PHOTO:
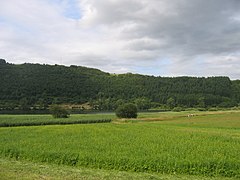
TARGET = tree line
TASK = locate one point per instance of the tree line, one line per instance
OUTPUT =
(37, 86)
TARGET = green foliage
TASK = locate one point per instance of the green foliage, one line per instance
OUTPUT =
(202, 145)
(128, 110)
(171, 103)
(13, 169)
(40, 123)
(24, 104)
(2, 61)
(201, 102)
(142, 103)
(39, 120)
(35, 86)
(178, 109)
(59, 112)
(201, 109)
(236, 90)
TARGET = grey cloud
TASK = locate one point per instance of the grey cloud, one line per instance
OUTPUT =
(198, 27)
(143, 44)
(180, 28)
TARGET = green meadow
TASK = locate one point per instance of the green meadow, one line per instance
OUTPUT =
(170, 143)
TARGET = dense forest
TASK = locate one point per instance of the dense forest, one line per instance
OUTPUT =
(35, 86)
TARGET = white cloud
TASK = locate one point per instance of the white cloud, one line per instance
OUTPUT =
(194, 37)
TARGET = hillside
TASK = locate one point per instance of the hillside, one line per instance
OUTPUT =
(37, 86)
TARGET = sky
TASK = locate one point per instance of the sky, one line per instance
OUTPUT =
(151, 37)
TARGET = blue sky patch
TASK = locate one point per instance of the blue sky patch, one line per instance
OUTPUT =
(71, 8)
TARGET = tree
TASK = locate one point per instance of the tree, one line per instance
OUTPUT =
(59, 111)
(201, 102)
(3, 61)
(142, 103)
(171, 102)
(118, 103)
(128, 110)
(24, 104)
(78, 85)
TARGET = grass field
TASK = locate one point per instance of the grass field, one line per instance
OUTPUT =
(167, 143)
(34, 120)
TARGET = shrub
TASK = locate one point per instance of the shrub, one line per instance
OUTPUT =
(177, 109)
(128, 110)
(201, 109)
(59, 112)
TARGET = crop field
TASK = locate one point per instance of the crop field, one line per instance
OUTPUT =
(34, 120)
(207, 144)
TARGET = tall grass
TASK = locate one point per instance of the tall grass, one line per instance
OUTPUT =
(36, 120)
(173, 147)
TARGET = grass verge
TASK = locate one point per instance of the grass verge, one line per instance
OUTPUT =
(11, 169)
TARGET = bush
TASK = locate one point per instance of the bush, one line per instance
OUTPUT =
(127, 111)
(59, 112)
(177, 109)
(201, 109)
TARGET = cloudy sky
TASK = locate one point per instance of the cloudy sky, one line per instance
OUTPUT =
(155, 37)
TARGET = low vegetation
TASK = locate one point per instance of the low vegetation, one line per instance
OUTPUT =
(38, 120)
(12, 169)
(58, 111)
(171, 143)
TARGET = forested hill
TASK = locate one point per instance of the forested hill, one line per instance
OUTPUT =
(37, 86)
